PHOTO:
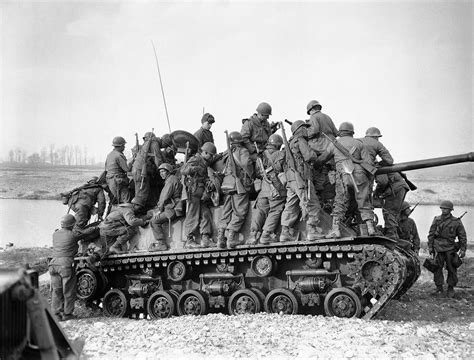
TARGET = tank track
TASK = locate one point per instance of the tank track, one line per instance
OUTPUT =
(348, 277)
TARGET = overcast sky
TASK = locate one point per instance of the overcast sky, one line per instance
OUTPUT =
(80, 73)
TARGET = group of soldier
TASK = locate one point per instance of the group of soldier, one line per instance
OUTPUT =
(321, 170)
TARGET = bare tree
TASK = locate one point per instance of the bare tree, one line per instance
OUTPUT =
(11, 156)
(17, 155)
(84, 153)
(24, 155)
(51, 153)
(43, 154)
(77, 153)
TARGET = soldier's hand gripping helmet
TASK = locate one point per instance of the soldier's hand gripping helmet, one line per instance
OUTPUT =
(118, 141)
(446, 204)
(264, 108)
(235, 138)
(276, 141)
(373, 131)
(209, 148)
(166, 166)
(297, 124)
(68, 221)
(312, 104)
(346, 126)
(405, 206)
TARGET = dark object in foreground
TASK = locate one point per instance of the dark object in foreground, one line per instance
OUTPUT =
(27, 328)
(431, 264)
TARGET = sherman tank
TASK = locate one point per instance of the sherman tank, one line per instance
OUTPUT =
(354, 276)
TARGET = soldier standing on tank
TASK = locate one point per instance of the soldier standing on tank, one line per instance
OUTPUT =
(236, 202)
(441, 244)
(61, 269)
(121, 225)
(257, 129)
(407, 228)
(170, 196)
(117, 168)
(198, 214)
(301, 195)
(145, 170)
(345, 187)
(204, 134)
(272, 197)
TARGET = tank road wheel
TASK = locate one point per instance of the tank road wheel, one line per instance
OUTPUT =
(192, 302)
(262, 266)
(115, 303)
(244, 301)
(175, 295)
(176, 271)
(261, 296)
(281, 301)
(160, 305)
(89, 284)
(343, 303)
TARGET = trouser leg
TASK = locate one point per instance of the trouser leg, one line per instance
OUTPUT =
(452, 278)
(205, 221)
(292, 210)
(274, 214)
(69, 289)
(391, 211)
(259, 213)
(240, 208)
(57, 296)
(191, 223)
(438, 274)
(364, 203)
(341, 200)
(226, 212)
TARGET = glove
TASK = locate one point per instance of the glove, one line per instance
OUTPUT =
(462, 253)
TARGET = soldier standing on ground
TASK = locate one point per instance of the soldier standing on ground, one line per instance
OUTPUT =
(441, 243)
(257, 129)
(204, 134)
(117, 168)
(198, 214)
(407, 228)
(63, 277)
(170, 196)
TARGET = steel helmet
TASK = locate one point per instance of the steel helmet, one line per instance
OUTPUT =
(311, 105)
(346, 126)
(166, 166)
(235, 137)
(405, 206)
(148, 135)
(297, 124)
(264, 108)
(68, 221)
(446, 204)
(275, 140)
(93, 180)
(373, 131)
(166, 141)
(137, 201)
(118, 141)
(209, 148)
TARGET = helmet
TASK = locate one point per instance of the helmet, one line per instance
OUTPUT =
(235, 137)
(275, 140)
(207, 117)
(264, 108)
(311, 105)
(93, 180)
(118, 141)
(373, 131)
(166, 141)
(346, 126)
(68, 221)
(166, 166)
(405, 206)
(446, 204)
(209, 147)
(137, 201)
(148, 135)
(297, 124)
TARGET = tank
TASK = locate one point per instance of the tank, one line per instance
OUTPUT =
(355, 276)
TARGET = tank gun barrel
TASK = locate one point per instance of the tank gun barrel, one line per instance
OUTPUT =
(427, 163)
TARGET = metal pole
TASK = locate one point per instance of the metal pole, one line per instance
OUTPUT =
(161, 84)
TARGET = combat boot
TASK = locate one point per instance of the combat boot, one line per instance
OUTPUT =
(439, 291)
(450, 292)
(191, 243)
(231, 242)
(221, 238)
(266, 238)
(205, 241)
(335, 231)
(253, 238)
(159, 245)
(285, 235)
(314, 233)
(370, 228)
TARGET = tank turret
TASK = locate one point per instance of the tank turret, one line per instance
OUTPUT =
(427, 163)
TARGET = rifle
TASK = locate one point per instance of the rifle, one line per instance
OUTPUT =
(146, 149)
(233, 169)
(460, 217)
(275, 192)
(414, 207)
(412, 186)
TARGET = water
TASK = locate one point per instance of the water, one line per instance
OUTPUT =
(28, 223)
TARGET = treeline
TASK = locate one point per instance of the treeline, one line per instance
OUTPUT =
(52, 155)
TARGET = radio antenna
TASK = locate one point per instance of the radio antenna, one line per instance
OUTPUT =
(161, 84)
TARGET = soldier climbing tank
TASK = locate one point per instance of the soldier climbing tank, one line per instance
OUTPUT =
(351, 277)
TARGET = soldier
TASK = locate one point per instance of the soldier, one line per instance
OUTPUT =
(301, 195)
(272, 196)
(441, 243)
(198, 215)
(375, 148)
(168, 149)
(117, 168)
(204, 134)
(63, 277)
(145, 170)
(257, 129)
(170, 196)
(351, 178)
(407, 228)
(121, 225)
(319, 122)
(236, 202)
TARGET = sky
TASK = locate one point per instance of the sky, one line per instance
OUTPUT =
(81, 73)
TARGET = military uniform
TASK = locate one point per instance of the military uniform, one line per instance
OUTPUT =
(321, 123)
(407, 231)
(375, 148)
(204, 136)
(117, 180)
(255, 130)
